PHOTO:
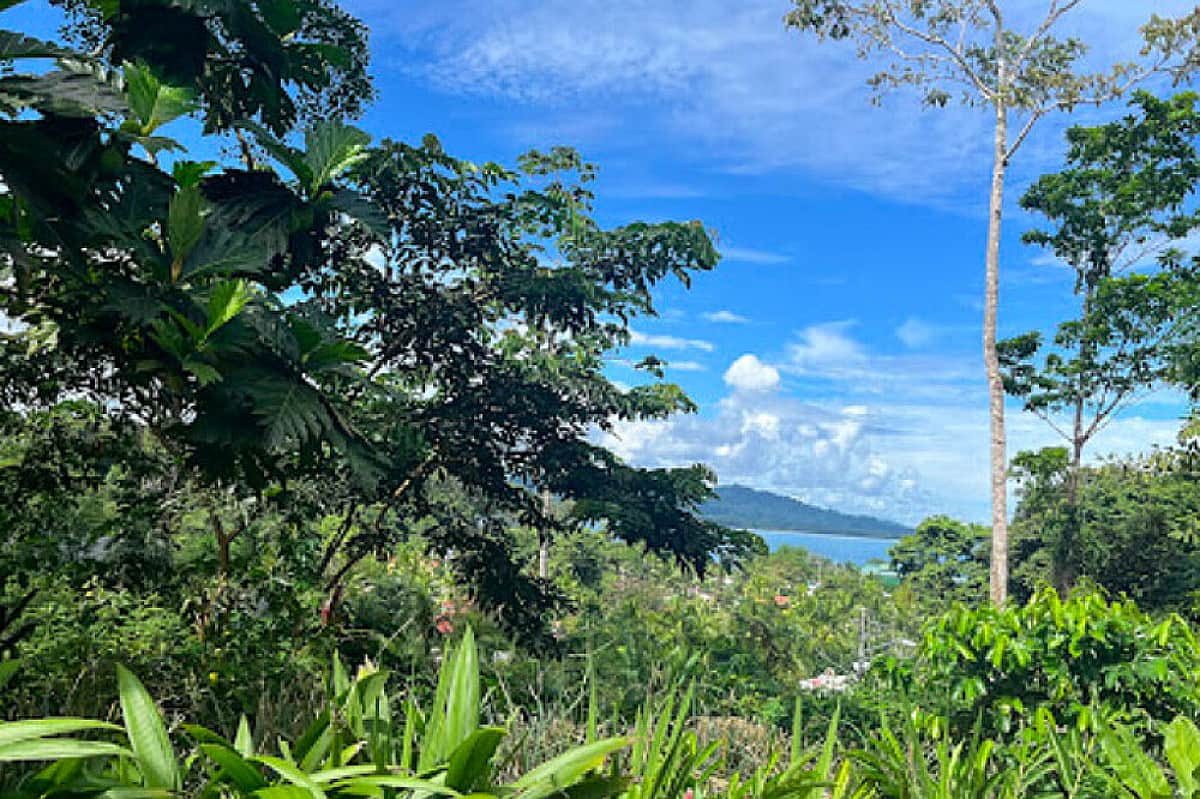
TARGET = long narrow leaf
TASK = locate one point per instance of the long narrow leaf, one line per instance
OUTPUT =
(57, 749)
(566, 769)
(14, 731)
(292, 774)
(147, 733)
(236, 768)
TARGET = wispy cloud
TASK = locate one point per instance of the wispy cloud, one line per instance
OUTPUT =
(687, 366)
(726, 317)
(727, 82)
(638, 338)
(825, 349)
(916, 333)
(749, 255)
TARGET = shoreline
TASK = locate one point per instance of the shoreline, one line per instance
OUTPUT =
(846, 536)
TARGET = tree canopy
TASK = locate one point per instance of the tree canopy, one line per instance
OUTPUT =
(323, 310)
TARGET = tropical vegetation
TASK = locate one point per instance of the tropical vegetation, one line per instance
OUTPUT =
(301, 497)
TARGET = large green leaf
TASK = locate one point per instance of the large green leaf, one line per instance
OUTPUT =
(1130, 766)
(226, 301)
(470, 762)
(235, 767)
(1182, 745)
(566, 769)
(356, 785)
(226, 252)
(70, 91)
(14, 731)
(57, 749)
(152, 102)
(123, 792)
(282, 792)
(331, 149)
(289, 412)
(462, 698)
(185, 225)
(332, 775)
(243, 742)
(292, 774)
(147, 734)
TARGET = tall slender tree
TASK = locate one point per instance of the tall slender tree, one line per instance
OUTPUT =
(1020, 72)
(1125, 199)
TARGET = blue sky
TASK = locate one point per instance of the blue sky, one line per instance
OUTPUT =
(835, 351)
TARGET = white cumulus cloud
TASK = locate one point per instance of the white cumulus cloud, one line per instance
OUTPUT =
(748, 373)
(898, 436)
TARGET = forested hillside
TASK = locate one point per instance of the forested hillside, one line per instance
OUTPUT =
(746, 508)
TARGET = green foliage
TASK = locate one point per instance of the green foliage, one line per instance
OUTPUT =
(376, 321)
(1125, 199)
(1075, 658)
(906, 766)
(945, 560)
(1127, 184)
(276, 62)
(1132, 529)
(353, 748)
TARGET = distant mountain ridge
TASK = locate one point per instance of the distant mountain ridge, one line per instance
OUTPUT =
(747, 508)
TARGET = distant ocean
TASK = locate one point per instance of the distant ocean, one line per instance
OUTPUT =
(838, 548)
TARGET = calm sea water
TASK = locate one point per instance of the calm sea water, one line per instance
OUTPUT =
(838, 548)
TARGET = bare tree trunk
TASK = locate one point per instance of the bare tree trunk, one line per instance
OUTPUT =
(223, 542)
(1064, 560)
(544, 540)
(1064, 553)
(999, 455)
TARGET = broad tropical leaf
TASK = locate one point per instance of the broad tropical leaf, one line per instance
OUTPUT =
(70, 91)
(470, 761)
(147, 733)
(1182, 745)
(235, 767)
(185, 225)
(227, 300)
(152, 102)
(331, 149)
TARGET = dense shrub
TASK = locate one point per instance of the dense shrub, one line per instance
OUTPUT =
(1070, 656)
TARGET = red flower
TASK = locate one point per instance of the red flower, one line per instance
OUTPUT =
(444, 626)
(782, 601)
